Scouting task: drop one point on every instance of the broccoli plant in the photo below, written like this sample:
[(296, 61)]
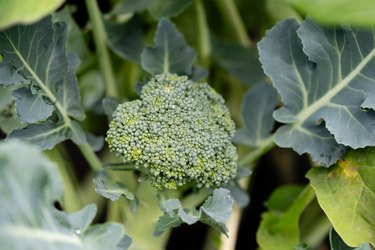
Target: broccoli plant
[(122, 120)]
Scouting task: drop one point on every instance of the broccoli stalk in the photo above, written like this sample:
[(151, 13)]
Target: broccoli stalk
[(179, 132)]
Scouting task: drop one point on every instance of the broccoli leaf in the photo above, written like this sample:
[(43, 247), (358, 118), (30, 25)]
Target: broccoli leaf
[(325, 78), (92, 88), (111, 189), (157, 8), (45, 135), (76, 40), (350, 185), (18, 11), (239, 61), (109, 106), (170, 53), (214, 212), (257, 109), (358, 12), (31, 108), (338, 244), (35, 56), (279, 228), (29, 219), (167, 8), (126, 39)]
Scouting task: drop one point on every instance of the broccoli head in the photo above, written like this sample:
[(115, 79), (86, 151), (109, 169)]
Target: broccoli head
[(178, 132)]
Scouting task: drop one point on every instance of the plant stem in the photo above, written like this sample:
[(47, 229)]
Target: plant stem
[(90, 156), (194, 200), (100, 39), (71, 201), (141, 223), (113, 211), (204, 45), (254, 155), (234, 222), (230, 12)]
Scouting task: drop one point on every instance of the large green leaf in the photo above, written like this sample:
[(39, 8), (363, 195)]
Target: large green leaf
[(346, 193), (279, 228), (358, 12), (19, 11), (167, 8), (214, 212), (257, 109), (239, 61), (76, 40), (28, 217), (126, 39), (35, 56), (157, 8), (325, 76), (170, 53), (31, 108)]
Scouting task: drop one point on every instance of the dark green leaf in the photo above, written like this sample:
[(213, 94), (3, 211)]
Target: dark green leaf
[(29, 219), (198, 73), (76, 41), (325, 78), (239, 195), (279, 230), (127, 6), (96, 142), (36, 56), (346, 193), (257, 109), (126, 39), (243, 63), (109, 106), (157, 8), (31, 108), (214, 212), (46, 135), (166, 222), (167, 8), (91, 85), (170, 53), (338, 244)]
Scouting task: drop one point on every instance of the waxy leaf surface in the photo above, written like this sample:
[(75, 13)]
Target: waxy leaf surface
[(325, 76), (28, 217), (35, 58), (170, 53)]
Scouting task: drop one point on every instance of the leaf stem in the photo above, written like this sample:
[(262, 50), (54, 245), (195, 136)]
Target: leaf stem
[(204, 45), (230, 12), (195, 199), (254, 155), (90, 156), (100, 39)]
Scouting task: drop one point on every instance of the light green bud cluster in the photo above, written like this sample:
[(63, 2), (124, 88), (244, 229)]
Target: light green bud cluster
[(178, 132)]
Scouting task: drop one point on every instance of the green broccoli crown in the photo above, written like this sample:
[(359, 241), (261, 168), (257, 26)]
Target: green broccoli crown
[(178, 131)]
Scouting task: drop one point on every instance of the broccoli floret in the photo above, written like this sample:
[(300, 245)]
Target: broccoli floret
[(178, 132)]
